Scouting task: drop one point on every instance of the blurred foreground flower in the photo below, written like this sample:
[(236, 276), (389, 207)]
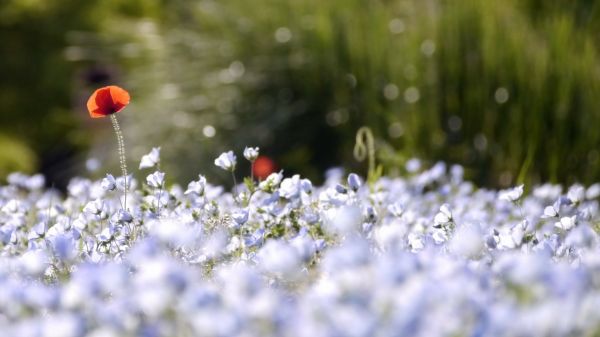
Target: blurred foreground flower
[(294, 259)]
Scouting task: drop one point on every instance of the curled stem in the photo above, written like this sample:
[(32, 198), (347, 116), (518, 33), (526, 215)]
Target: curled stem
[(365, 147), (121, 144)]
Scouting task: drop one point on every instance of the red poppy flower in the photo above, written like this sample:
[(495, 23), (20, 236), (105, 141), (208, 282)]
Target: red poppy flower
[(263, 166), (107, 101)]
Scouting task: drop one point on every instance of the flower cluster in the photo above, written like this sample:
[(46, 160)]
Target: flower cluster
[(424, 255)]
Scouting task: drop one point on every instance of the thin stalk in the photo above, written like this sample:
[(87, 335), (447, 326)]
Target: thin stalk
[(121, 143), (234, 186), (518, 202), (49, 210), (159, 197)]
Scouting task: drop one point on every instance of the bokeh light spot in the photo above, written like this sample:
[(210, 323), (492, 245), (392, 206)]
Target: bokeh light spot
[(209, 131), (396, 130), (396, 26), (391, 91), (412, 95), (283, 35), (501, 95)]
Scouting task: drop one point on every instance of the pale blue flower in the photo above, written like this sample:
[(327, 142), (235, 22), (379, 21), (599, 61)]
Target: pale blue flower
[(226, 161), (124, 216), (240, 216), (413, 165), (566, 223), (197, 187), (251, 153), (306, 186), (271, 183), (290, 187), (512, 195), (396, 209), (551, 211), (109, 183), (354, 181), (94, 207), (156, 179), (593, 191), (151, 159), (444, 216), (576, 194), (341, 189)]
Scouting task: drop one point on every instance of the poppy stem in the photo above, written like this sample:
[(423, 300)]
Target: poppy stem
[(122, 161)]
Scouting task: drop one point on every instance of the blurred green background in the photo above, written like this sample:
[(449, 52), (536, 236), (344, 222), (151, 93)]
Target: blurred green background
[(510, 89)]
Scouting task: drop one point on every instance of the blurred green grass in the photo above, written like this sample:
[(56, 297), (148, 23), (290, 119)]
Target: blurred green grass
[(507, 89)]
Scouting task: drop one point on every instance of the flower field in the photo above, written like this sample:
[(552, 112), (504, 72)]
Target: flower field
[(428, 254)]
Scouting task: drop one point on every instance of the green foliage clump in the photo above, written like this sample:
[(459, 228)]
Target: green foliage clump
[(15, 156)]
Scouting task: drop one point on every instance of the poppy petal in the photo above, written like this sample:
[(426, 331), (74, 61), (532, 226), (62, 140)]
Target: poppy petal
[(91, 103), (96, 114), (120, 97), (104, 101)]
